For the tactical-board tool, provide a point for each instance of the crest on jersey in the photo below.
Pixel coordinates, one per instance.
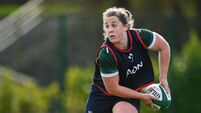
(130, 56)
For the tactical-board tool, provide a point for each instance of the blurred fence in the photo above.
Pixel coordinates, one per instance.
(20, 22)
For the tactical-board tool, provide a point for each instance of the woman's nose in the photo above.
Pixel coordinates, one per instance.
(110, 30)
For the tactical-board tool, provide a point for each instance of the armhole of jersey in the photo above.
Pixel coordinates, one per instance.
(97, 55)
(140, 39)
(105, 45)
(153, 41)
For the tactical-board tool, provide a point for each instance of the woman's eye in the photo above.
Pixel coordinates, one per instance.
(106, 26)
(114, 25)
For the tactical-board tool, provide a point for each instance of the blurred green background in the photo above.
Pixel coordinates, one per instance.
(48, 68)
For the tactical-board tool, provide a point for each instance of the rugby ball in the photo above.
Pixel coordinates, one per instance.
(163, 98)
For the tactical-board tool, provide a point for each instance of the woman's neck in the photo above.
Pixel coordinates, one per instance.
(123, 44)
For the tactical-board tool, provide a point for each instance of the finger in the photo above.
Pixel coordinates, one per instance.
(166, 87)
(168, 91)
(152, 106)
(164, 83)
(153, 97)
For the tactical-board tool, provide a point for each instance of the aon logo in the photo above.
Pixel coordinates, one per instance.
(134, 69)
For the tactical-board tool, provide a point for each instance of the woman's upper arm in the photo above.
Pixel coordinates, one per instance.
(160, 43)
(108, 69)
(111, 83)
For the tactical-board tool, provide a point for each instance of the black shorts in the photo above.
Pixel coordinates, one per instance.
(98, 102)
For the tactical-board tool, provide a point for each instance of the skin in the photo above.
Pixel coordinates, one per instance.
(117, 34)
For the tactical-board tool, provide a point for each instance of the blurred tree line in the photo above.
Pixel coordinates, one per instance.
(82, 19)
(80, 23)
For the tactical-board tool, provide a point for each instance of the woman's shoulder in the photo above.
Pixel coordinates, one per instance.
(105, 54)
(140, 29)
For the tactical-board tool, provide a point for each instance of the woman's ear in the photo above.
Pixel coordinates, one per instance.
(126, 27)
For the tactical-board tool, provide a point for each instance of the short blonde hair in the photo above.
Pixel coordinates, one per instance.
(121, 13)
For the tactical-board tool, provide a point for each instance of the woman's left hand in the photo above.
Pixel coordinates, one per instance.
(164, 83)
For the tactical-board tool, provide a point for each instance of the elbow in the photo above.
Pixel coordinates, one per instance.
(165, 51)
(112, 90)
(167, 48)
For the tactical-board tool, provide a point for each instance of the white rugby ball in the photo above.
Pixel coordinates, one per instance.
(163, 98)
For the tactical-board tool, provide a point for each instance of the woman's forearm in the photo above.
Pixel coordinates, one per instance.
(164, 59)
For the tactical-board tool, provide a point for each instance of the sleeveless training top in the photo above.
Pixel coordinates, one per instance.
(134, 65)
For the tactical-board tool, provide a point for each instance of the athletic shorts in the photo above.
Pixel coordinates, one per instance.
(98, 102)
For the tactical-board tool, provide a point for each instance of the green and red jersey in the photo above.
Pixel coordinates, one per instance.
(133, 66)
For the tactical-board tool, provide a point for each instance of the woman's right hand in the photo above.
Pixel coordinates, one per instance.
(148, 100)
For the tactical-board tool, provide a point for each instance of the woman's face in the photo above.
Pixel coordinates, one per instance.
(114, 29)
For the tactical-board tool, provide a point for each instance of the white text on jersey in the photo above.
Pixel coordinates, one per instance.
(134, 69)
